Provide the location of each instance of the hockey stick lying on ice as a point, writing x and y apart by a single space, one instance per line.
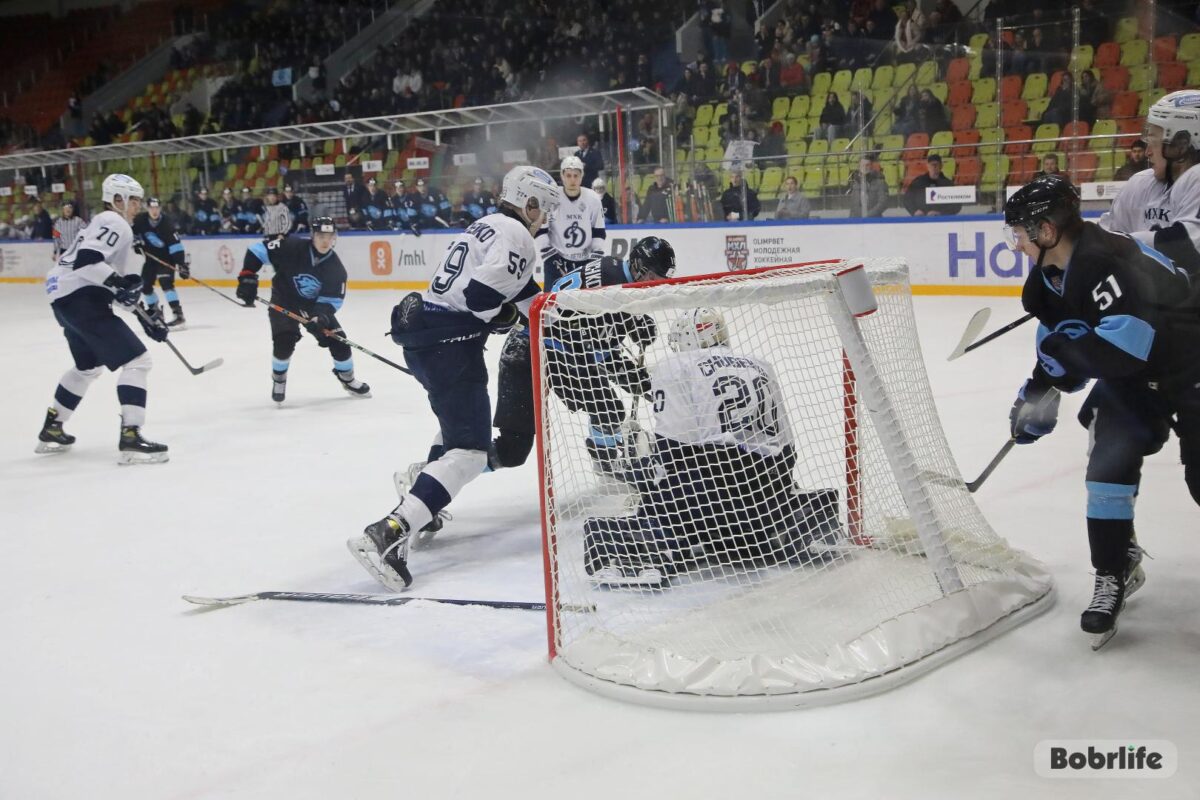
374 600
216 362
975 326
208 286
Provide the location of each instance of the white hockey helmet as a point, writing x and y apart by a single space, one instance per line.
1178 114
523 183
571 162
123 186
697 329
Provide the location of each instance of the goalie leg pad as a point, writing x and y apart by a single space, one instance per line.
628 551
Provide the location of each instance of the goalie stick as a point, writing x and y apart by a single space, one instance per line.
216 362
373 600
966 342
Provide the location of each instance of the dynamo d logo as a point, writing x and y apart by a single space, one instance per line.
1100 758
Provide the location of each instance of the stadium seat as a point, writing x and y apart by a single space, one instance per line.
780 107
926 73
841 80
965 144
800 105
1172 75
1125 104
1106 160
883 77
814 181
816 153
839 151
1115 79
1037 107
995 170
749 67
1148 98
949 167
1035 86
1081 57
720 110
1014 112
1011 87
890 146
912 171
904 73
815 106
1108 54
797 130
820 84
1016 140
704 115
967 171
1071 133
941 143
939 90
883 123
752 175
915 146
976 67
989 140
1189 47
1134 52
1055 80
882 98
978 41
984 91
796 150
862 79
1127 30
1104 127
957 70
1141 76
891 175
1193 76
1047 138
1164 49
987 115
772 179
959 94
1022 169
1082 166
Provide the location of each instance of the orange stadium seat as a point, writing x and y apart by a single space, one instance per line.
965 143
1013 135
1082 166
1107 55
1023 168
1125 104
1172 75
1071 133
963 118
968 171
957 70
960 94
1014 112
916 146
1115 79
1010 87
1132 128
1164 49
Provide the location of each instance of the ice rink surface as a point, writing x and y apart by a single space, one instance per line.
112 687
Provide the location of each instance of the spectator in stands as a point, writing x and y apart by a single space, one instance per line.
1135 162
297 208
630 201
41 226
860 114
606 200
867 189
1043 55
910 31
355 196
250 219
833 119
773 147
731 200
589 154
1093 24
915 195
792 78
882 21
178 215
1049 165
1094 100
656 206
231 211
792 203
931 114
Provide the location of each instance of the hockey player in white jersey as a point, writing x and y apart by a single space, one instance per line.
575 234
718 485
81 288
484 285
1160 206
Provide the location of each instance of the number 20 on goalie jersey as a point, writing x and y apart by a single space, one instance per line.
715 397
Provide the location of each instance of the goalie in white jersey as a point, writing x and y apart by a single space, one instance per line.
719 483
484 285
575 234
81 287
1160 206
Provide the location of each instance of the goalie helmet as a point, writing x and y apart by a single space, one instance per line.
1049 198
698 329
522 184
122 186
571 162
1178 114
651 257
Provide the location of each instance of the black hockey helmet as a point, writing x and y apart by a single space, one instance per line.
152 202
324 225
650 258
1049 198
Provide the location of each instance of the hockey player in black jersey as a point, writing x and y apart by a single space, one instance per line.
207 220
476 204
1115 310
433 209
309 280
379 208
231 211
297 207
159 242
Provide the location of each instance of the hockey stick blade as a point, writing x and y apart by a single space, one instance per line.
974 328
972 486
373 600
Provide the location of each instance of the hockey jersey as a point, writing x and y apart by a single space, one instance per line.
596 338
476 205
299 211
487 265
208 218
303 277
158 239
714 396
1166 218
576 230
99 251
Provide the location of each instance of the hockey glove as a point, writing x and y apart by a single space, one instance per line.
1034 414
406 316
138 247
126 288
643 330
504 321
184 270
320 319
154 327
247 287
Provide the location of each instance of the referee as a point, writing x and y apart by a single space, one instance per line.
66 228
276 218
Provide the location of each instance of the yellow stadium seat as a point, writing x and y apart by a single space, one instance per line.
975 70
1126 30
904 73
983 91
1189 47
814 181
940 90
797 149
987 115
1134 52
926 73
890 145
978 41
1108 164
704 115
883 77
800 105
780 107
815 107
1035 86
820 84
1103 127
1047 136
1140 77
772 178
841 80
940 143
1081 57
862 79
989 139
797 130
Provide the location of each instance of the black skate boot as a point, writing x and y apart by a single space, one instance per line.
278 385
177 321
136 450
1108 598
53 439
155 313
354 387
383 551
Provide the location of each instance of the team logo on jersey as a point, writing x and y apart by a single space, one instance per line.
737 252
573 236
307 285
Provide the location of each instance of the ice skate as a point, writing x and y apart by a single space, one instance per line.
404 482
177 323
383 551
53 439
1135 576
278 386
353 386
1100 618
134 449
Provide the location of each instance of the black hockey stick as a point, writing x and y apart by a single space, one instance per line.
975 326
305 320
216 362
1012 440
208 286
373 600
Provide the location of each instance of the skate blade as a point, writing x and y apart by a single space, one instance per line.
422 540
1136 580
614 579
364 553
51 447
364 396
182 326
127 458
1101 639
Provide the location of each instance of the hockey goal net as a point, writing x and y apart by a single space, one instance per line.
747 495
